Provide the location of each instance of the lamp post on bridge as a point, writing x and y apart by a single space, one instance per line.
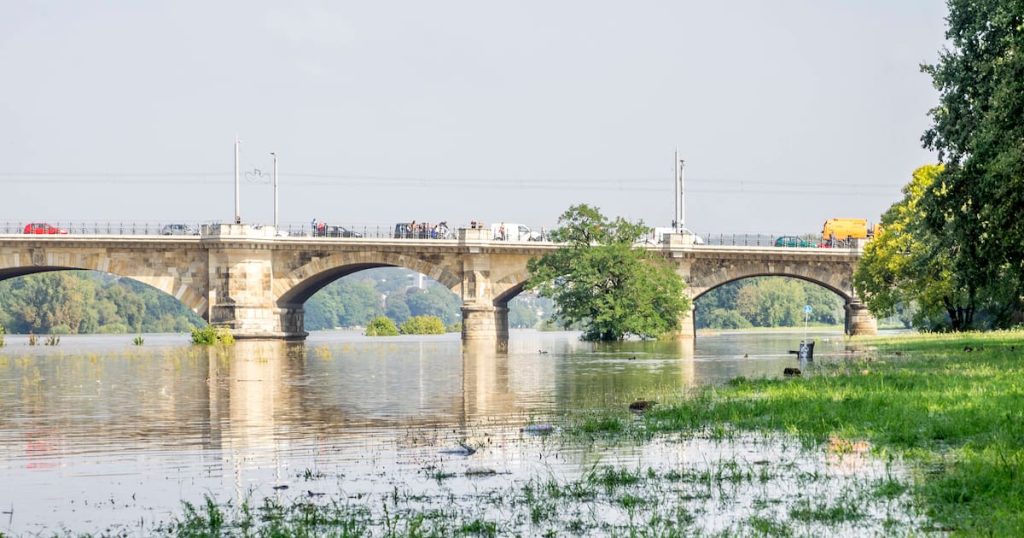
679 223
238 206
274 155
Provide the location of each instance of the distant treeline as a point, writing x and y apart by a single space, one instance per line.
69 302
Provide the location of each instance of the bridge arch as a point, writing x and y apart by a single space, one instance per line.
843 294
294 288
176 282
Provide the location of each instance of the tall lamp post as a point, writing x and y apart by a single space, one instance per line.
238 206
679 222
274 155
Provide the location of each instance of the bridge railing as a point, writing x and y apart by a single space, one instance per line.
378 231
101 228
771 240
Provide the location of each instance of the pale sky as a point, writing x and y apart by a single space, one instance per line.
786 112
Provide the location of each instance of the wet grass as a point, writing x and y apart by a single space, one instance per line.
953 405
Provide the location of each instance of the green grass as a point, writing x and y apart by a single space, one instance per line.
952 405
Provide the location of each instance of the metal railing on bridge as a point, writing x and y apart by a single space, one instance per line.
381 231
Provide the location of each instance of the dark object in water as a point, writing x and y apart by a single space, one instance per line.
463 450
791 372
542 352
537 428
633 358
282 486
641 405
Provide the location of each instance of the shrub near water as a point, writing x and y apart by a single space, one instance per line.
381 326
423 325
210 335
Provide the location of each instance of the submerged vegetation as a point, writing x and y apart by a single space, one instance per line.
600 279
423 325
381 326
208 335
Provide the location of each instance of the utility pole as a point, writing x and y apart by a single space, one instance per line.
238 206
274 155
679 223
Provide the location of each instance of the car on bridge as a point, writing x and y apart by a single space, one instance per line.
179 229
327 230
794 241
42 228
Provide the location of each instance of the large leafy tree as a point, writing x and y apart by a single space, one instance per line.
601 280
973 208
909 264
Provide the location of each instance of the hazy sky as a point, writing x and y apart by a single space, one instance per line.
787 112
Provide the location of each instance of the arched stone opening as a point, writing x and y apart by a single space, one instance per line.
292 301
857 319
73 300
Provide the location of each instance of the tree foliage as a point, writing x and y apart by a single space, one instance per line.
422 325
381 326
909 264
973 207
601 280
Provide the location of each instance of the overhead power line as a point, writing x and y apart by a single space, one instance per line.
712 185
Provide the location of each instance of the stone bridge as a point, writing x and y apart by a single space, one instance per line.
255 283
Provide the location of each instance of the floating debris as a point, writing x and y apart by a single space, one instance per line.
641 405
480 471
537 428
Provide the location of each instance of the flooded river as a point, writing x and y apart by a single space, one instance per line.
97 433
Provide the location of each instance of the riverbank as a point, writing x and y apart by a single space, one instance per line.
952 406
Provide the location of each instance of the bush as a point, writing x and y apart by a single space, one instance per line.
210 335
423 325
381 326
3 331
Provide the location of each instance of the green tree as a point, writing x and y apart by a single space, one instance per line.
381 326
599 279
973 207
423 325
908 264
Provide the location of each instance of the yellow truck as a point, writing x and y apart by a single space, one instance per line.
846 229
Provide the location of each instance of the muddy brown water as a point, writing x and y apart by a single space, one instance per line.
98 432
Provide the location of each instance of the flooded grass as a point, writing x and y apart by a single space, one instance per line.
952 405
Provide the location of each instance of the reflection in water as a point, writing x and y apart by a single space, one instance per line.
133 431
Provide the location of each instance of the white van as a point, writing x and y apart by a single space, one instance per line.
511 231
657 236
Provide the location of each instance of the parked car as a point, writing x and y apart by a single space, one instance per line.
657 236
793 241
327 230
511 231
42 228
178 229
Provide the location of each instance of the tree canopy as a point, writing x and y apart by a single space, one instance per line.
972 208
601 280
908 264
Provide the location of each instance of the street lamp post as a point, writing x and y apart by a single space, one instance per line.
274 155
238 206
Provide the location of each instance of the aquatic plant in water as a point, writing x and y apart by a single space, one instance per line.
210 335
